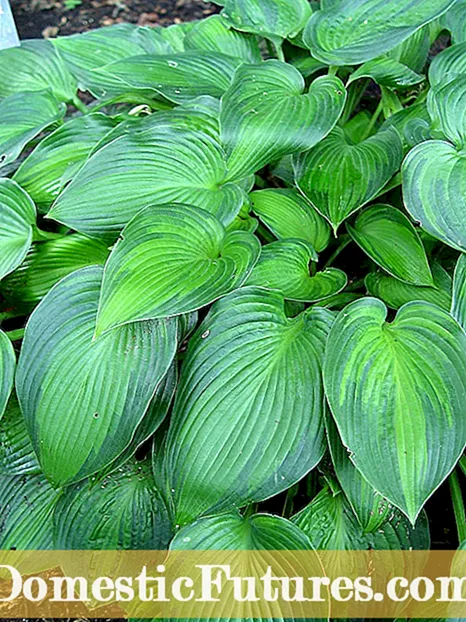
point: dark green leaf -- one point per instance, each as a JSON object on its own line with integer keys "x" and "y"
{"x": 7, "y": 370}
{"x": 454, "y": 21}
{"x": 458, "y": 308}
{"x": 17, "y": 456}
{"x": 449, "y": 64}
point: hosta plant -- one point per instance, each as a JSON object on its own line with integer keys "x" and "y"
{"x": 233, "y": 290}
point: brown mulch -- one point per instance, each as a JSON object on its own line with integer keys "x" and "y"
{"x": 49, "y": 18}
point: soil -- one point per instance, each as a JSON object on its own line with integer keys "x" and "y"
{"x": 49, "y": 18}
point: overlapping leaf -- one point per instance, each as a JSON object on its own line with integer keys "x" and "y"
{"x": 7, "y": 370}
{"x": 17, "y": 222}
{"x": 288, "y": 215}
{"x": 458, "y": 308}
{"x": 17, "y": 456}
{"x": 401, "y": 382}
{"x": 387, "y": 72}
{"x": 83, "y": 398}
{"x": 339, "y": 178}
{"x": 454, "y": 20}
{"x": 448, "y": 64}
{"x": 276, "y": 420}
{"x": 266, "y": 114}
{"x": 355, "y": 31}
{"x": 286, "y": 266}
{"x": 389, "y": 238}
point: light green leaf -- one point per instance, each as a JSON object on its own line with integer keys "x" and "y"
{"x": 434, "y": 190}
{"x": 233, "y": 532}
{"x": 47, "y": 263}
{"x": 17, "y": 221}
{"x": 56, "y": 160}
{"x": 83, "y": 398}
{"x": 26, "y": 508}
{"x": 122, "y": 511}
{"x": 268, "y": 18}
{"x": 24, "y": 116}
{"x": 389, "y": 238}
{"x": 177, "y": 77}
{"x": 447, "y": 65}
{"x": 154, "y": 166}
{"x": 17, "y": 456}
{"x": 446, "y": 104}
{"x": 276, "y": 420}
{"x": 289, "y": 215}
{"x": 7, "y": 370}
{"x": 266, "y": 114}
{"x": 339, "y": 177}
{"x": 350, "y": 32}
{"x": 402, "y": 383}
{"x": 35, "y": 66}
{"x": 387, "y": 71}
{"x": 414, "y": 51}
{"x": 172, "y": 260}
{"x": 395, "y": 293}
{"x": 215, "y": 35}
{"x": 458, "y": 307}
{"x": 369, "y": 507}
{"x": 286, "y": 266}
{"x": 454, "y": 20}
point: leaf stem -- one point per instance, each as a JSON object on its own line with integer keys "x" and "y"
{"x": 458, "y": 506}
{"x": 15, "y": 335}
{"x": 373, "y": 121}
{"x": 462, "y": 464}
{"x": 344, "y": 241}
{"x": 279, "y": 50}
{"x": 332, "y": 70}
{"x": 81, "y": 106}
{"x": 39, "y": 235}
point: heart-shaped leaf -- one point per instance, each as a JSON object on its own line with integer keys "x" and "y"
{"x": 35, "y": 66}
{"x": 177, "y": 77}
{"x": 289, "y": 215}
{"x": 172, "y": 260}
{"x": 160, "y": 165}
{"x": 47, "y": 263}
{"x": 396, "y": 293}
{"x": 214, "y": 34}
{"x": 275, "y": 19}
{"x": 339, "y": 177}
{"x": 286, "y": 266}
{"x": 351, "y": 32}
{"x": 449, "y": 64}
{"x": 17, "y": 222}
{"x": 17, "y": 456}
{"x": 458, "y": 307}
{"x": 7, "y": 370}
{"x": 57, "y": 158}
{"x": 276, "y": 421}
{"x": 402, "y": 383}
{"x": 389, "y": 238}
{"x": 83, "y": 398}
{"x": 121, "y": 511}
{"x": 24, "y": 116}
{"x": 266, "y": 114}
{"x": 387, "y": 71}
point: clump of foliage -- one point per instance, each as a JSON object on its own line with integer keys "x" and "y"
{"x": 236, "y": 247}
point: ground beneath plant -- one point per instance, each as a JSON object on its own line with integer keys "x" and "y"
{"x": 49, "y": 18}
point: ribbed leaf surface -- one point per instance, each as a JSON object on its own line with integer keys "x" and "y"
{"x": 7, "y": 370}
{"x": 448, "y": 65}
{"x": 82, "y": 398}
{"x": 251, "y": 380}
{"x": 172, "y": 260}
{"x": 458, "y": 308}
{"x": 387, "y": 72}
{"x": 266, "y": 114}
{"x": 17, "y": 456}
{"x": 268, "y": 18}
{"x": 402, "y": 383}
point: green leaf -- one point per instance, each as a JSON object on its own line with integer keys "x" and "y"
{"x": 233, "y": 532}
{"x": 395, "y": 293}
{"x": 26, "y": 508}
{"x": 454, "y": 20}
{"x": 289, "y": 215}
{"x": 412, "y": 123}
{"x": 388, "y": 237}
{"x": 369, "y": 507}
{"x": 266, "y": 114}
{"x": 350, "y": 32}
{"x": 414, "y": 51}
{"x": 17, "y": 221}
{"x": 251, "y": 380}
{"x": 83, "y": 398}
{"x": 268, "y": 18}
{"x": 177, "y": 77}
{"x": 402, "y": 383}
{"x": 47, "y": 263}
{"x": 387, "y": 71}
{"x": 17, "y": 456}
{"x": 214, "y": 34}
{"x": 449, "y": 64}
{"x": 24, "y": 116}
{"x": 285, "y": 266}
{"x": 171, "y": 260}
{"x": 434, "y": 190}
{"x": 458, "y": 307}
{"x": 35, "y": 66}
{"x": 339, "y": 177}
{"x": 7, "y": 370}
{"x": 446, "y": 103}
{"x": 121, "y": 511}
{"x": 154, "y": 166}
{"x": 56, "y": 160}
